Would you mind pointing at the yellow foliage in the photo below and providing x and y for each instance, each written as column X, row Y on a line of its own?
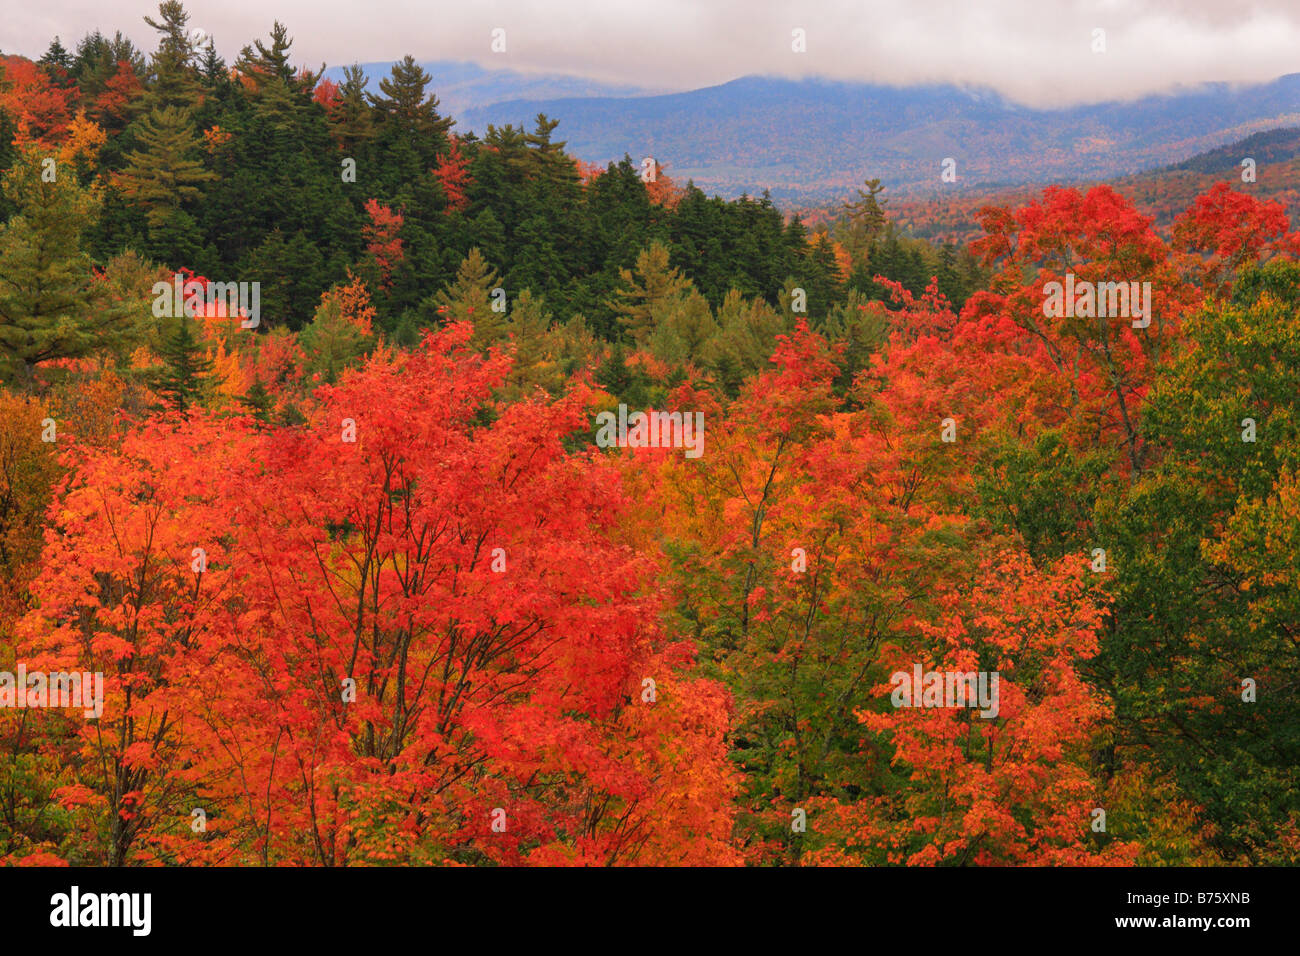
column 84, row 141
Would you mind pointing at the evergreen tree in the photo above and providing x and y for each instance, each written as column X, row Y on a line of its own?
column 654, row 281
column 469, row 298
column 213, row 68
column 263, row 64
column 745, row 340
column 866, row 220
column 821, row 278
column 293, row 272
column 486, row 232
column 51, row 304
column 546, row 353
column 165, row 173
column 175, row 75
column 257, row 401
column 408, row 112
column 352, row 119
column 184, row 377
column 8, row 157
column 57, row 63
column 628, row 384
column 281, row 172
column 551, row 166
column 862, row 330
column 164, row 176
column 109, row 74
column 333, row 340
column 683, row 329
column 93, row 66
column 97, row 58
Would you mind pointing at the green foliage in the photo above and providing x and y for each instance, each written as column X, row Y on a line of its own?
column 469, row 298
column 1199, row 545
column 1045, row 491
column 52, row 304
column 745, row 340
column 270, row 65
column 408, row 115
column 163, row 176
column 332, row 342
column 172, row 67
column 653, row 283
column 864, row 220
column 682, row 326
column 185, row 377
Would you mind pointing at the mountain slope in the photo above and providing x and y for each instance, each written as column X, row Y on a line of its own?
column 1163, row 193
column 810, row 139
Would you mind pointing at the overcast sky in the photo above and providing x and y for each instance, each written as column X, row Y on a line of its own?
column 1037, row 51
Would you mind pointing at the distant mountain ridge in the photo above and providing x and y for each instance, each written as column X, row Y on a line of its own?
column 807, row 140
column 461, row 85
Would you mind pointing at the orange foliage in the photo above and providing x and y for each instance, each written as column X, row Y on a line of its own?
column 41, row 110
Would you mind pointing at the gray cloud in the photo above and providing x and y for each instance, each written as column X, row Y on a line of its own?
column 1035, row 51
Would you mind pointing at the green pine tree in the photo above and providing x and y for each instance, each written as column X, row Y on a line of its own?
column 683, row 328
column 184, row 377
column 165, row 174
column 51, row 304
column 332, row 343
column 469, row 298
column 865, row 221
column 257, row 401
column 57, row 63
column 654, row 281
column 264, row 65
column 172, row 67
column 407, row 109
column 213, row 69
column 352, row 120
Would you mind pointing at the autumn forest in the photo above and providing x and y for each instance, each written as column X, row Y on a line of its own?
column 373, row 492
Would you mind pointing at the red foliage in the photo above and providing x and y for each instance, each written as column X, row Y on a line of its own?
column 382, row 240
column 587, row 171
column 1015, row 790
column 41, row 109
column 121, row 89
column 452, row 173
column 1231, row 226
column 326, row 93
column 397, row 637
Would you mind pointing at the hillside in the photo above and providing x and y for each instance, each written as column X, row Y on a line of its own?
column 812, row 140
column 1163, row 192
